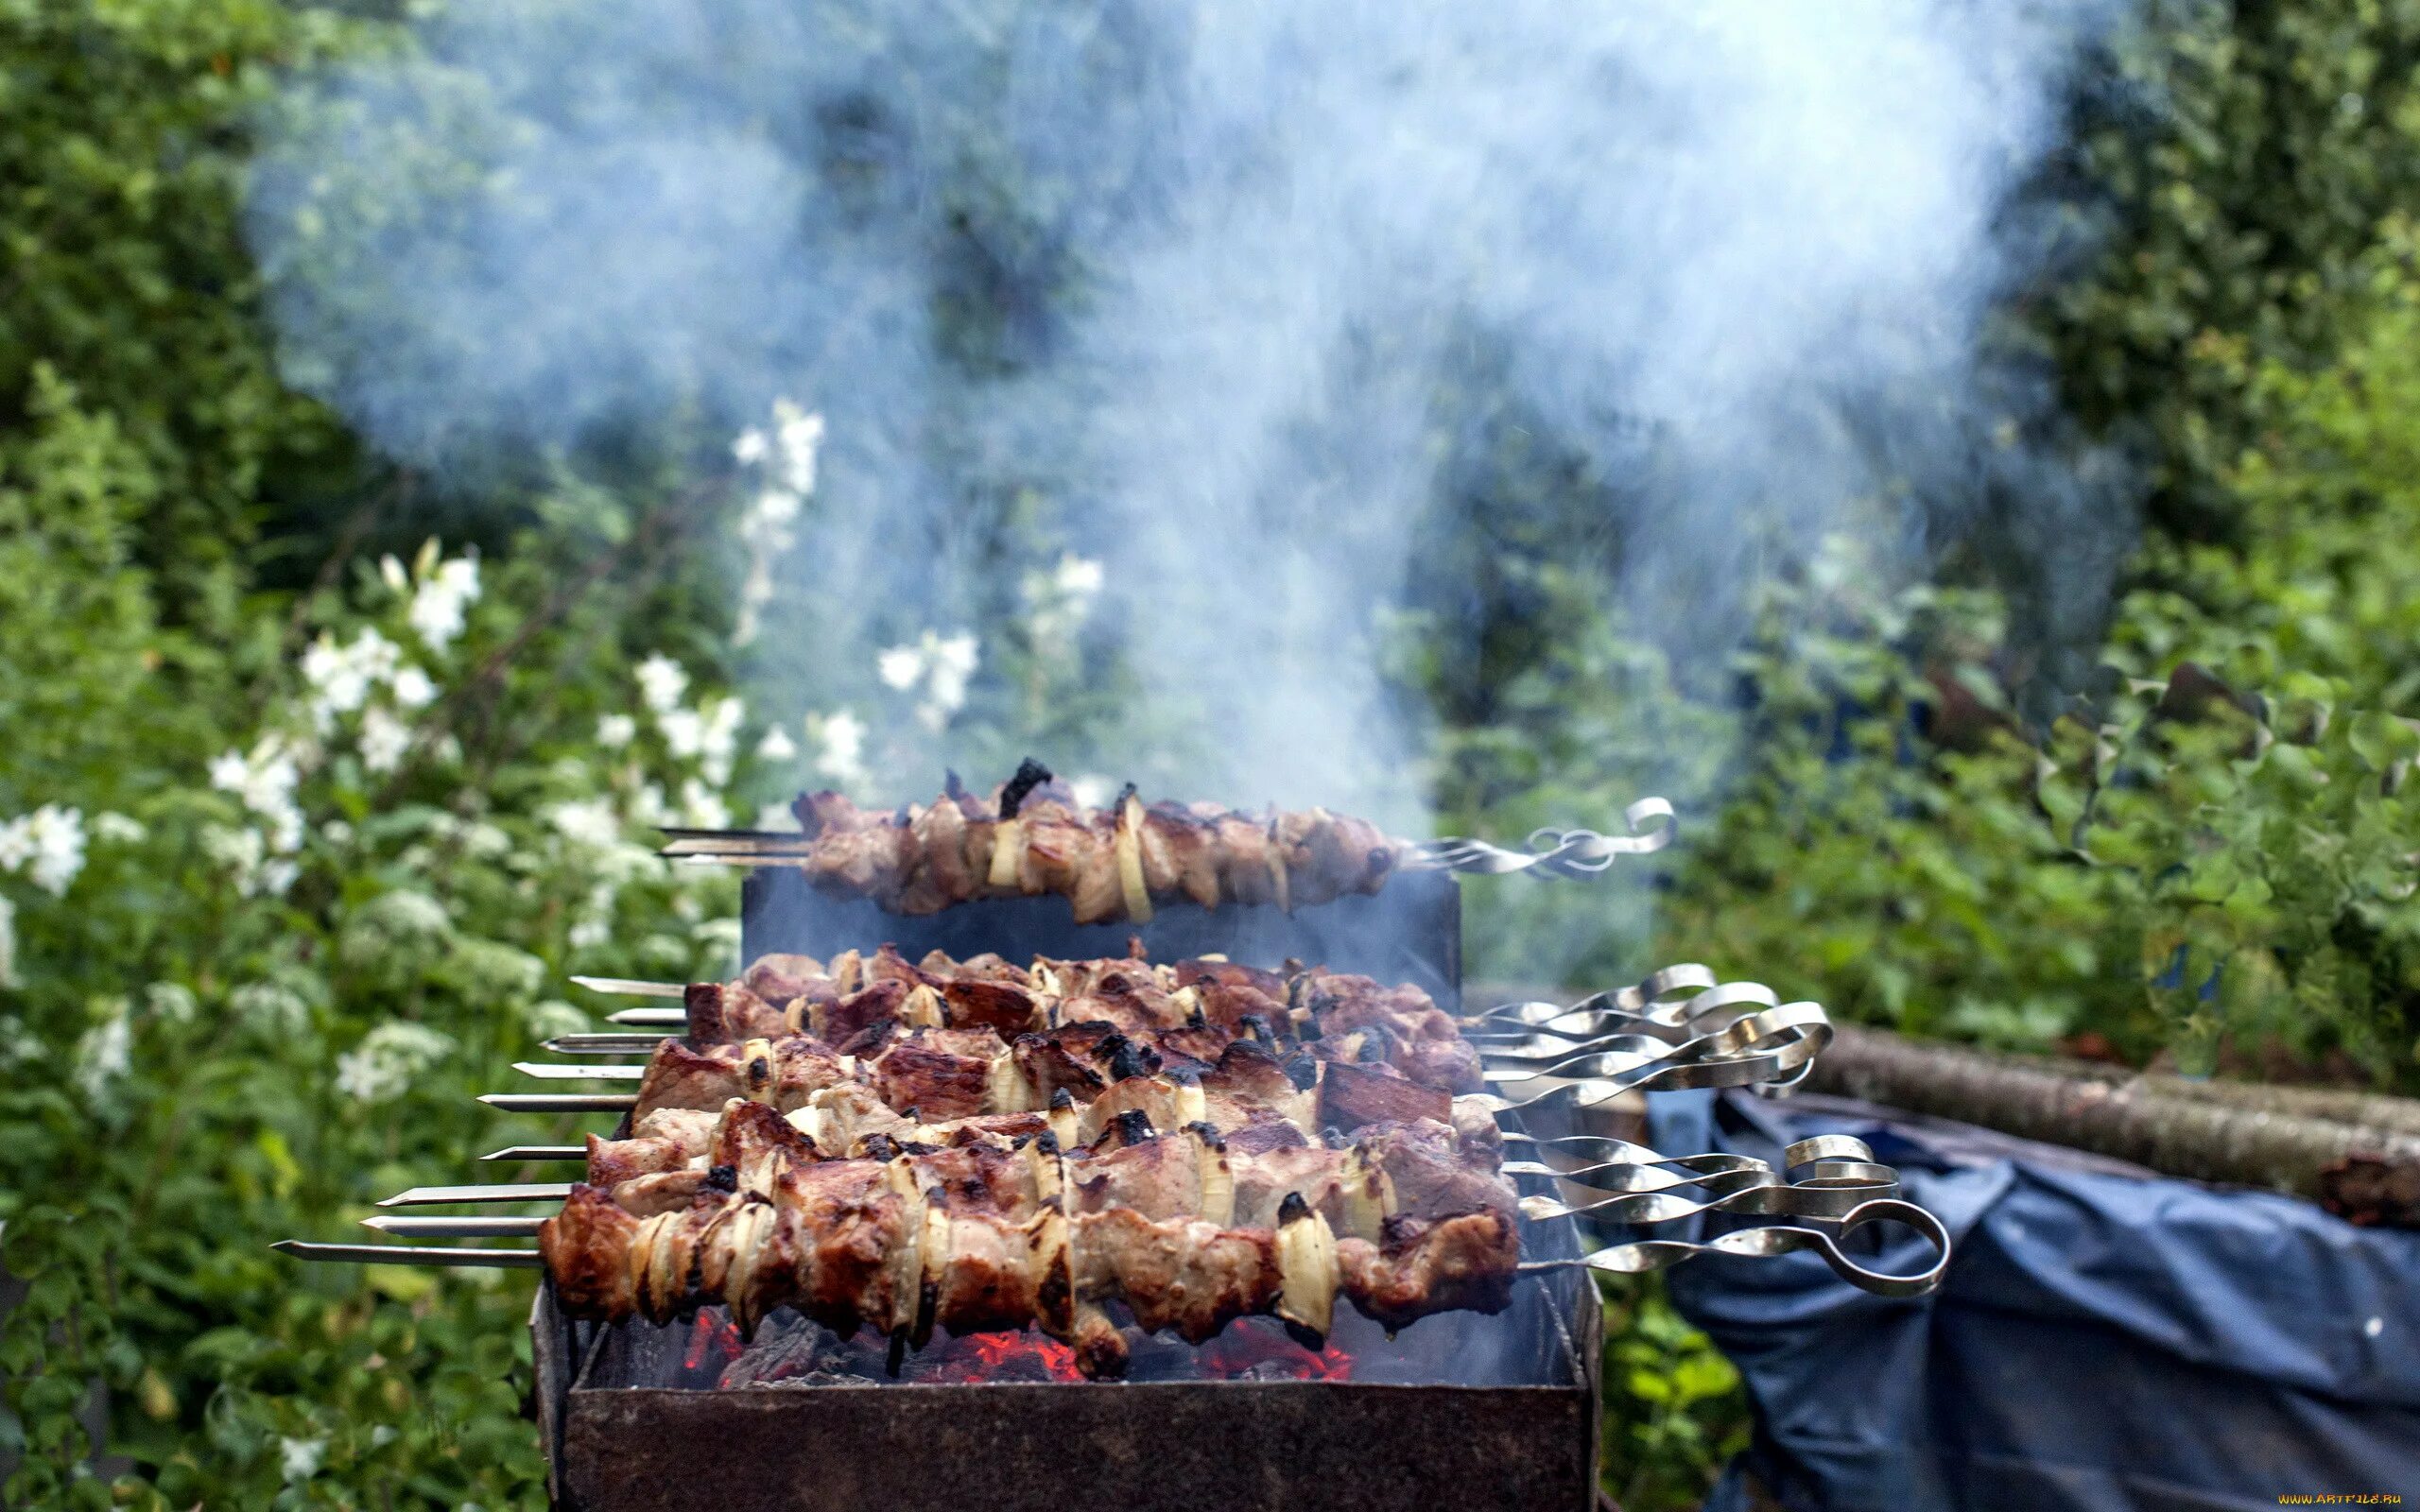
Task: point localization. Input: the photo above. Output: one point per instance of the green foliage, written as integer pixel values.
(268, 996)
(126, 281)
(1674, 1411)
(2233, 163)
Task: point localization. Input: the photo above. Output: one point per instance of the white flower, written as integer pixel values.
(384, 741)
(441, 607)
(390, 572)
(953, 662)
(943, 664)
(648, 806)
(265, 778)
(748, 447)
(588, 934)
(382, 1066)
(171, 1001)
(274, 1011)
(774, 510)
(118, 829)
(955, 656)
(342, 676)
(701, 807)
(840, 738)
(900, 667)
(776, 745)
(239, 851)
(299, 1458)
(800, 436)
(103, 1055)
(1060, 598)
(1077, 577)
(413, 689)
(49, 843)
(661, 683)
(590, 823)
(276, 876)
(685, 731)
(613, 731)
(719, 741)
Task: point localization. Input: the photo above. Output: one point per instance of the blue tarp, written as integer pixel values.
(2103, 1339)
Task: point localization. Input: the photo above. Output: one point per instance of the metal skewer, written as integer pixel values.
(409, 1255)
(602, 1045)
(538, 1152)
(627, 986)
(454, 1227)
(546, 1072)
(1558, 852)
(504, 1191)
(651, 1018)
(1641, 1256)
(561, 1102)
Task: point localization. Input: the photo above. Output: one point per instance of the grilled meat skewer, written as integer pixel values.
(1194, 1008)
(1032, 837)
(851, 1243)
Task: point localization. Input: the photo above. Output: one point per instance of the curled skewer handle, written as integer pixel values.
(1578, 1031)
(1641, 1256)
(1558, 852)
(1751, 1193)
(1774, 1046)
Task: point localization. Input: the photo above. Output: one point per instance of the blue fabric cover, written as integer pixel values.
(2102, 1341)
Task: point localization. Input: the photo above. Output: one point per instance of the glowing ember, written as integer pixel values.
(980, 1357)
(711, 1334)
(1269, 1354)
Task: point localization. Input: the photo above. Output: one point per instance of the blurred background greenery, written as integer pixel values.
(305, 814)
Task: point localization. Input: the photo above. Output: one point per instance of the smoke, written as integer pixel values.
(1221, 283)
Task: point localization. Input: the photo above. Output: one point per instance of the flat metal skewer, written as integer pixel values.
(651, 1018)
(409, 1255)
(454, 1227)
(501, 1191)
(561, 1102)
(604, 1044)
(546, 1070)
(631, 987)
(538, 1152)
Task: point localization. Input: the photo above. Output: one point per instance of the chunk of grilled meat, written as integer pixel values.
(1032, 837)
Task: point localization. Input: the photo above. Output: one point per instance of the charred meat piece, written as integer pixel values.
(720, 1013)
(1423, 1267)
(1351, 1095)
(936, 1082)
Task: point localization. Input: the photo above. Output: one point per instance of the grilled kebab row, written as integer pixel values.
(1002, 1228)
(1184, 1013)
(1030, 837)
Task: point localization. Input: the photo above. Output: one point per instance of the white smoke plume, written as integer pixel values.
(1236, 270)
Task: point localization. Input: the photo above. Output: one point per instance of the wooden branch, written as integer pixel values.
(2219, 1132)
